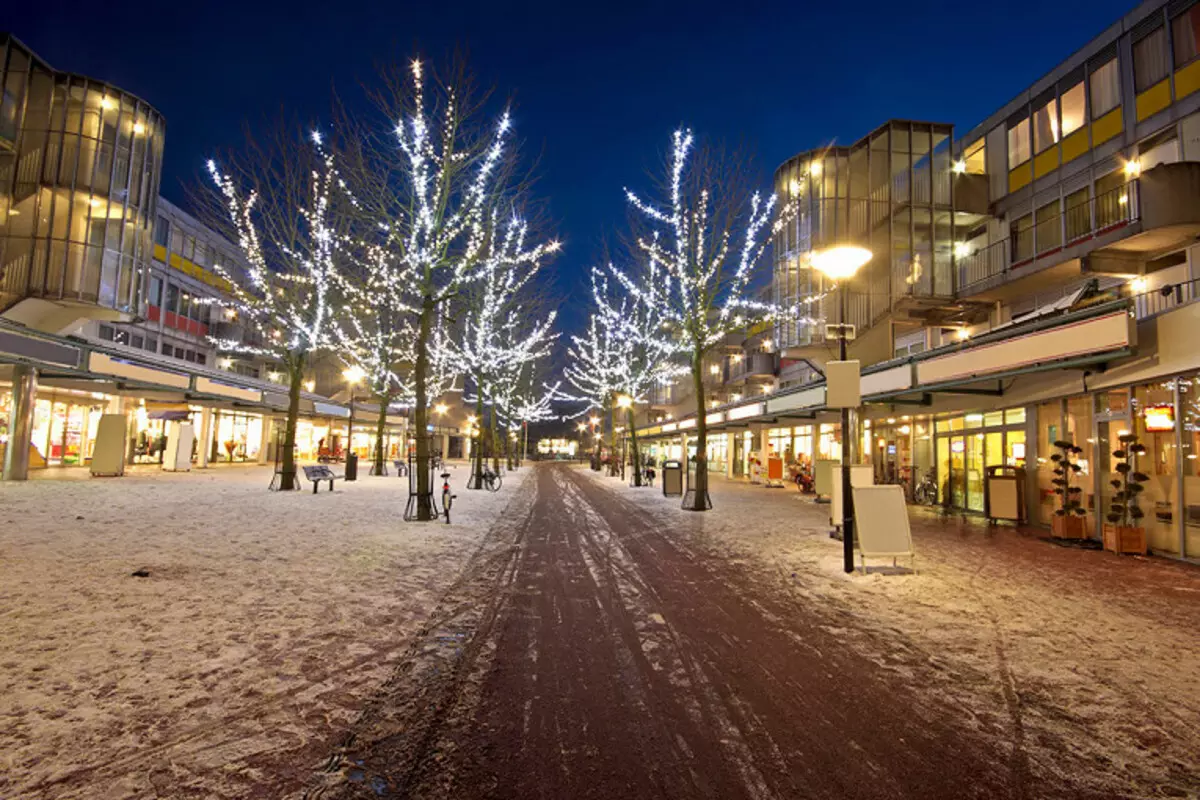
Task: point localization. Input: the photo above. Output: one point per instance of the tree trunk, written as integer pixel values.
(614, 469)
(476, 481)
(385, 400)
(495, 442)
(637, 458)
(700, 496)
(288, 481)
(421, 412)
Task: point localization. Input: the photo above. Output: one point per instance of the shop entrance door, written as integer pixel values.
(958, 471)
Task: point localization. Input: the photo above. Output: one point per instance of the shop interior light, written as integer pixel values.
(1133, 168)
(714, 369)
(1138, 285)
(138, 128)
(962, 249)
(960, 167)
(107, 103)
(963, 334)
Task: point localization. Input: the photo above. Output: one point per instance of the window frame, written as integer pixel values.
(1193, 11)
(1028, 125)
(1138, 86)
(1114, 64)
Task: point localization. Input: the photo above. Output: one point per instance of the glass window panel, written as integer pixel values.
(1021, 234)
(975, 157)
(1185, 33)
(1072, 109)
(162, 230)
(1018, 144)
(1045, 125)
(993, 419)
(1049, 227)
(1150, 63)
(1105, 85)
(1159, 495)
(1014, 416)
(1078, 214)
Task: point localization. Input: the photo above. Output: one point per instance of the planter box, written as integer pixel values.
(1124, 539)
(1072, 526)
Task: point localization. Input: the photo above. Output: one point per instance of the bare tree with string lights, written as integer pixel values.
(702, 243)
(284, 204)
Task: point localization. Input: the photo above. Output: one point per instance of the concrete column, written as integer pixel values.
(264, 439)
(20, 427)
(730, 451)
(445, 445)
(206, 426)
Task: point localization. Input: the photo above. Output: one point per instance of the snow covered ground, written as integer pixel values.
(265, 621)
(1078, 663)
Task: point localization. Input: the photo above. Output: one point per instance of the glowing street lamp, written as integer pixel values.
(840, 264)
(624, 401)
(353, 375)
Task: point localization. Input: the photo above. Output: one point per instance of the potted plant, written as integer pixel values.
(1068, 521)
(1124, 533)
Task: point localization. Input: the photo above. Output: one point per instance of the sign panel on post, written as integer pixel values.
(843, 384)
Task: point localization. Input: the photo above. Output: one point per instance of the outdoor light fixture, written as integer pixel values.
(582, 427)
(594, 421)
(767, 344)
(139, 128)
(106, 103)
(1138, 285)
(1133, 168)
(963, 334)
(814, 169)
(441, 408)
(225, 363)
(960, 167)
(839, 263)
(471, 420)
(354, 374)
(624, 401)
(310, 386)
(714, 369)
(962, 249)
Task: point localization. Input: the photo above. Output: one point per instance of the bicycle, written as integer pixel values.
(491, 480)
(925, 492)
(447, 497)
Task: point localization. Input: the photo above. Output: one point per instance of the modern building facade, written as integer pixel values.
(1032, 280)
(110, 301)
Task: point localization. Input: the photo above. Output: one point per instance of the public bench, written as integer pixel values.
(320, 473)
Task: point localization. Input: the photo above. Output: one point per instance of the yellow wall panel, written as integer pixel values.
(1045, 162)
(160, 252)
(1187, 80)
(1154, 99)
(1108, 126)
(1075, 145)
(1020, 177)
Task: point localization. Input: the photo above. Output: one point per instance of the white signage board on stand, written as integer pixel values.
(881, 527)
(178, 455)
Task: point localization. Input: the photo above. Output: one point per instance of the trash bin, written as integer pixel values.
(351, 466)
(1004, 493)
(672, 478)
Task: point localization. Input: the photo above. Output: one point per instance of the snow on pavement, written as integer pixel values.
(1081, 664)
(264, 622)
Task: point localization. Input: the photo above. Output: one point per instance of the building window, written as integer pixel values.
(155, 298)
(200, 358)
(179, 352)
(137, 342)
(167, 349)
(1045, 125)
(120, 336)
(975, 157)
(152, 344)
(1105, 85)
(162, 231)
(1185, 33)
(176, 240)
(1111, 199)
(1078, 216)
(1018, 143)
(1150, 63)
(1021, 232)
(1073, 112)
(172, 298)
(1049, 231)
(106, 332)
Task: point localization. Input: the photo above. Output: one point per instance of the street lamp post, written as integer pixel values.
(840, 264)
(353, 374)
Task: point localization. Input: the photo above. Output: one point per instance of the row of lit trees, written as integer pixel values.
(684, 287)
(398, 245)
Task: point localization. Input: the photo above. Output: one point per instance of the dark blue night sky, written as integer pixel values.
(598, 89)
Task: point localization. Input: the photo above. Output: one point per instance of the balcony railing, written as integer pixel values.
(1148, 305)
(762, 364)
(1077, 224)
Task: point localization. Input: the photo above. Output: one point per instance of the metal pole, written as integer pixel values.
(847, 497)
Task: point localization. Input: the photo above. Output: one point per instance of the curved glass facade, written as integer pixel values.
(80, 164)
(891, 192)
